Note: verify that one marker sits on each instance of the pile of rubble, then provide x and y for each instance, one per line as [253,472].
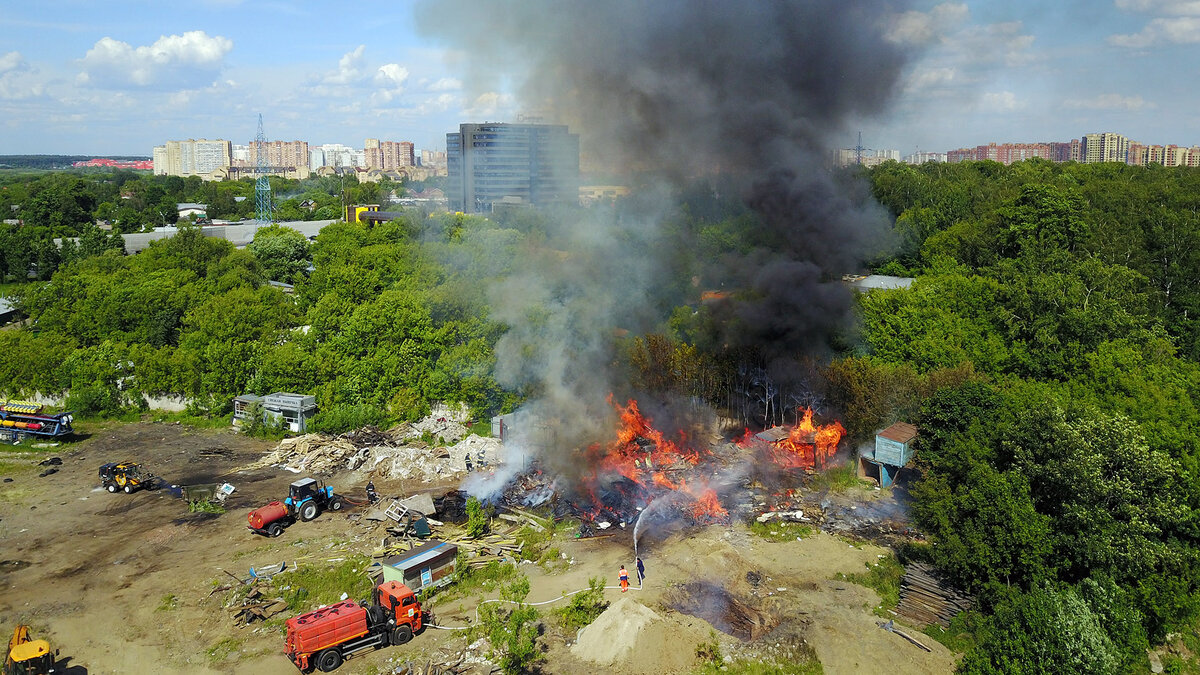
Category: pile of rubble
[429,450]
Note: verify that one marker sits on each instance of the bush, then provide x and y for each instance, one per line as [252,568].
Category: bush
[512,633]
[341,418]
[584,606]
[477,520]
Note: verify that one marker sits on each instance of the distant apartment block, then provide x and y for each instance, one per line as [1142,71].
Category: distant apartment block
[501,163]
[1105,147]
[922,157]
[431,159]
[280,153]
[848,156]
[192,157]
[335,155]
[388,155]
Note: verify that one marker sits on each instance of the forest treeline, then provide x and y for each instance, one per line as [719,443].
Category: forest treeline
[1047,350]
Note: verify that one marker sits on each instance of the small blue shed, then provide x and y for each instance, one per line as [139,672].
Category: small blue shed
[893,450]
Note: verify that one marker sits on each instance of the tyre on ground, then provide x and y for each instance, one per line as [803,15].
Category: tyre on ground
[401,635]
[335,504]
[274,529]
[308,511]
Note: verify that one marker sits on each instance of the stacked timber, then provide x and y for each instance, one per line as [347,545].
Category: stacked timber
[924,600]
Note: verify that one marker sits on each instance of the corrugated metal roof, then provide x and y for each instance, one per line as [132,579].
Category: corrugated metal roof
[419,555]
[901,432]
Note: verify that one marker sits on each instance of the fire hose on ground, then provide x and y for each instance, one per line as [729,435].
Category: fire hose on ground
[531,604]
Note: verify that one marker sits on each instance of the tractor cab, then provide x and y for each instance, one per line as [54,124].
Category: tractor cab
[308,497]
[305,488]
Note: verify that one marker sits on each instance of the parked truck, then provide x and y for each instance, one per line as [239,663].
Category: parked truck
[306,499]
[324,638]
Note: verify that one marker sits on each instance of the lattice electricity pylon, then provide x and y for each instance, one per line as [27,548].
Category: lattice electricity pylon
[262,187]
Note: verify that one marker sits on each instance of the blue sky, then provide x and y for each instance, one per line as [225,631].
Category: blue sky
[118,77]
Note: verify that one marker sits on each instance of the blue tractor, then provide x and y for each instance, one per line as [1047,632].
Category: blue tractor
[309,497]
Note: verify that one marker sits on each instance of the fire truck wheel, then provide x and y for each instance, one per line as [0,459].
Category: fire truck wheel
[336,504]
[401,635]
[111,487]
[329,660]
[274,530]
[128,489]
[308,511]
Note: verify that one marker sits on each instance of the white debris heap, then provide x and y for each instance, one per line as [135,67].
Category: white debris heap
[432,449]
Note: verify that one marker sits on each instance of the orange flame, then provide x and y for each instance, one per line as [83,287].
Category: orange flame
[808,446]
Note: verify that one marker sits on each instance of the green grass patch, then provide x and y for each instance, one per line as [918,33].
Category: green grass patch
[837,479]
[310,586]
[778,530]
[186,419]
[792,659]
[538,547]
[481,428]
[883,577]
[205,507]
[960,637]
[223,650]
[168,602]
[470,580]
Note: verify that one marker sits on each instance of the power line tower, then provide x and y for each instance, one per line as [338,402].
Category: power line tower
[859,150]
[262,187]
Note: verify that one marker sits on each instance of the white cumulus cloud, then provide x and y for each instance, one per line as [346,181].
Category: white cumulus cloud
[350,68]
[392,75]
[920,28]
[1000,101]
[1110,102]
[1178,30]
[173,61]
[1162,7]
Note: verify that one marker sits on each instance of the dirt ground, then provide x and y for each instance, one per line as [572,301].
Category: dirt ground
[95,573]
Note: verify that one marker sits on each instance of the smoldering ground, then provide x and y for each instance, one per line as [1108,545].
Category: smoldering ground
[751,92]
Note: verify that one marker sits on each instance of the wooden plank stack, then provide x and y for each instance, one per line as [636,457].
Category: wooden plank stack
[924,600]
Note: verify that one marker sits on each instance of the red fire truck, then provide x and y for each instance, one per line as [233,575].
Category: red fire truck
[323,638]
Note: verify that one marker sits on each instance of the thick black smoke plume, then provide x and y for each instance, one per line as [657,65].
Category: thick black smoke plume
[755,92]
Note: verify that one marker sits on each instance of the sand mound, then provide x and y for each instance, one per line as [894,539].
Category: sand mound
[612,636]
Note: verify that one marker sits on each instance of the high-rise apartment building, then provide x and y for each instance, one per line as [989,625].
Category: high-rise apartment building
[494,163]
[1105,147]
[388,155]
[192,157]
[280,153]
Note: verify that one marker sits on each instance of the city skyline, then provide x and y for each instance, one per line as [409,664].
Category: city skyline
[120,78]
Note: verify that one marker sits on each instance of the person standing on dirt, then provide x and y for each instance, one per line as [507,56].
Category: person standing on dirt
[641,570]
[624,577]
[372,497]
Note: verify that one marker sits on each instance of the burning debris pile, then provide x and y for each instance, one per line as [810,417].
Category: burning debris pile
[643,467]
[407,451]
[805,446]
[645,474]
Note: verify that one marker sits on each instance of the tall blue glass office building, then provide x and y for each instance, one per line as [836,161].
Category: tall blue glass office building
[498,163]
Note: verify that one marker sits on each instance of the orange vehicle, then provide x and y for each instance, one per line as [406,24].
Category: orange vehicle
[324,638]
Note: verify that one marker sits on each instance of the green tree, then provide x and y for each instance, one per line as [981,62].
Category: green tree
[282,252]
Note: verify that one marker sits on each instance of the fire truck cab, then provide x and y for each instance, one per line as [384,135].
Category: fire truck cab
[324,638]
